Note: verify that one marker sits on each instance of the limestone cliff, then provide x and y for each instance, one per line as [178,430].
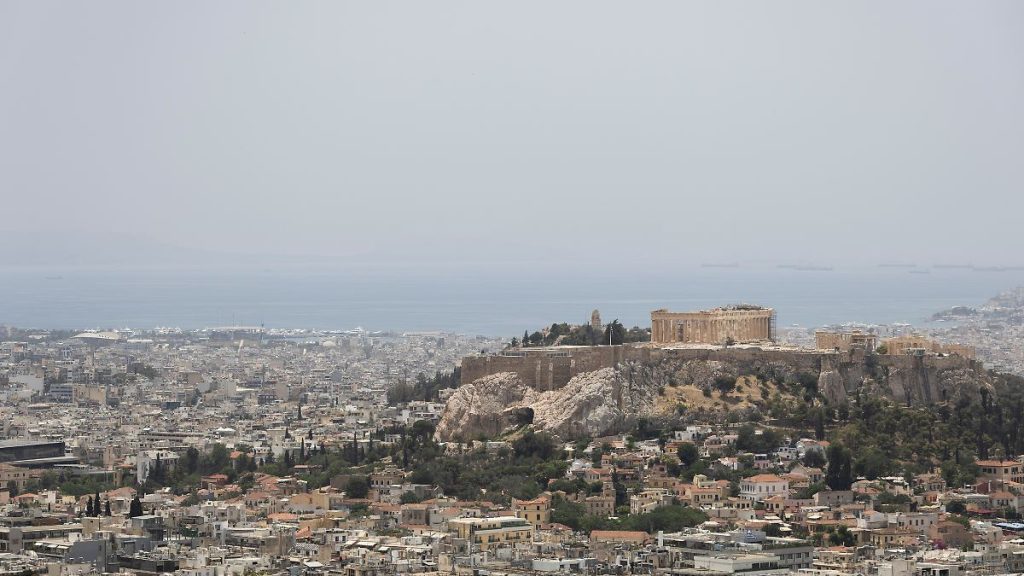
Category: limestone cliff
[591,404]
[607,400]
[484,407]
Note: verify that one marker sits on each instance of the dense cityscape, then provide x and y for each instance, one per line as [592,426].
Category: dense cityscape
[462,288]
[240,450]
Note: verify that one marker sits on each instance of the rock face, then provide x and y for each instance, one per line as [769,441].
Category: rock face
[830,384]
[923,385]
[594,404]
[591,404]
[703,373]
[484,407]
[608,400]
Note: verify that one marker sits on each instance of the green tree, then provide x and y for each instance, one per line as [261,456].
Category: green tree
[687,453]
[872,463]
[156,475]
[621,495]
[409,497]
[570,514]
[357,487]
[135,508]
[672,518]
[530,445]
[749,439]
[218,460]
[839,474]
[813,459]
[841,537]
[614,333]
[191,460]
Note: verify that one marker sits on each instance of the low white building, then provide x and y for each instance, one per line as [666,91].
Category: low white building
[763,486]
[746,564]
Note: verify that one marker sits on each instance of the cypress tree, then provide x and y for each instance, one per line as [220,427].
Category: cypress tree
[405,451]
[135,509]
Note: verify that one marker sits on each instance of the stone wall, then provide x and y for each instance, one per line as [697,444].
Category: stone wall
[544,369]
[844,341]
[910,343]
[910,379]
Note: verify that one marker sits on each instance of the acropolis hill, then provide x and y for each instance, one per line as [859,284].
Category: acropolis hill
[906,378]
[587,390]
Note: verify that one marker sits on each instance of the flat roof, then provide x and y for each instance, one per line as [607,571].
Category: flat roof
[23,443]
[45,461]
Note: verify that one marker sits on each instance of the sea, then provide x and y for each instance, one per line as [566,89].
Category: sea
[476,301]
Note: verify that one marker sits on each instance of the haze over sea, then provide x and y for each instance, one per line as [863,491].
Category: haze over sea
[465,300]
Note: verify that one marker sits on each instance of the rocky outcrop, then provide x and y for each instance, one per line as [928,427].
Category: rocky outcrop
[704,374]
[921,383]
[595,403]
[606,400]
[830,384]
[484,407]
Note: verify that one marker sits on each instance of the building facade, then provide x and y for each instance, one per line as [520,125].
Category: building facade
[763,486]
[485,533]
[739,324]
[536,511]
[919,345]
[1001,470]
[844,341]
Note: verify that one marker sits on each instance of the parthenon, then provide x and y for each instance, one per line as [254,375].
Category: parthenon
[737,324]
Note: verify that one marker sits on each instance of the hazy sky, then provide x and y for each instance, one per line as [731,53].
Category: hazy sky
[585,133]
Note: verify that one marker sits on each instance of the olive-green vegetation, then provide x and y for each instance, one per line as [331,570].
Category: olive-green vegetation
[521,470]
[72,485]
[671,518]
[891,439]
[424,388]
[874,436]
[583,335]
